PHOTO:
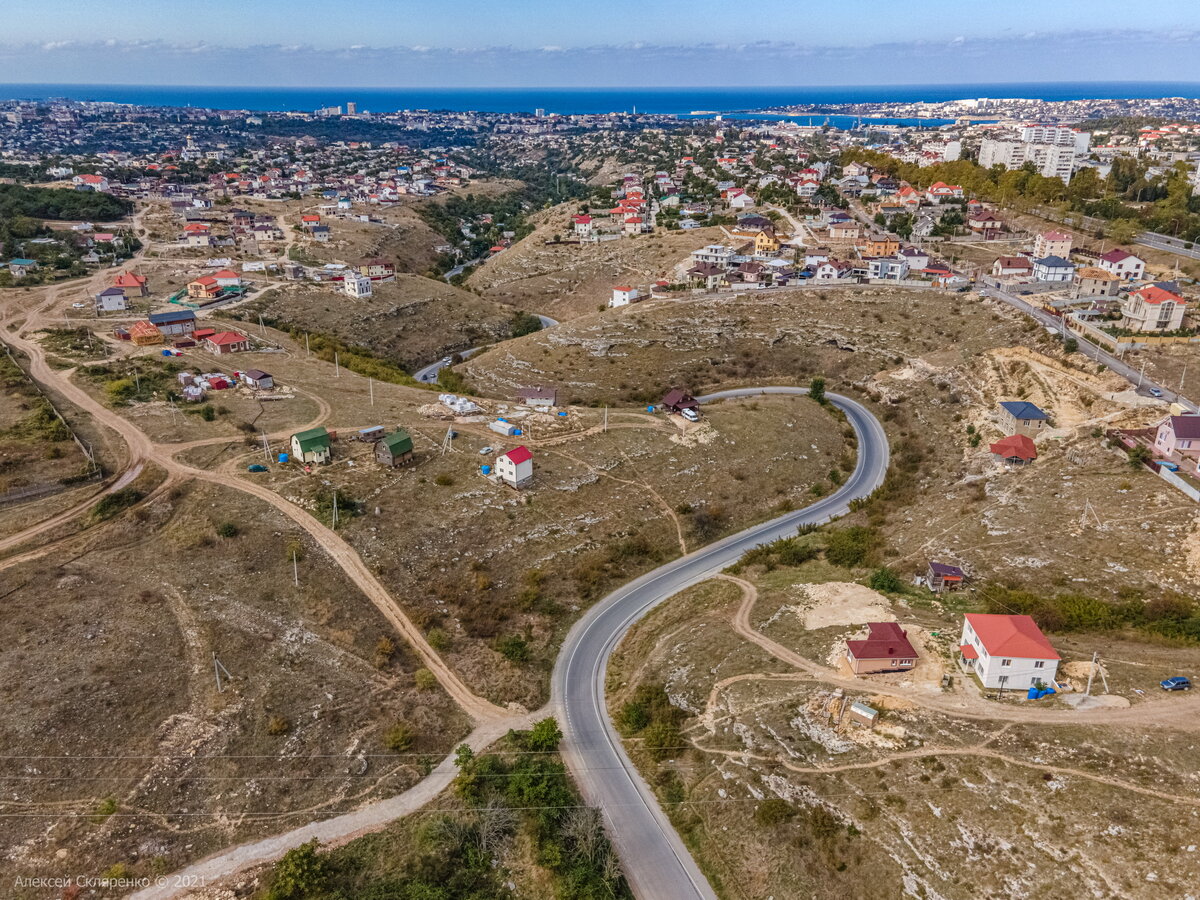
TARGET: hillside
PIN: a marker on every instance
(566, 281)
(411, 321)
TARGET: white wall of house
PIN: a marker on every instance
(1010, 673)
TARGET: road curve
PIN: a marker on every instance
(656, 862)
(429, 373)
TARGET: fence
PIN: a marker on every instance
(1175, 480)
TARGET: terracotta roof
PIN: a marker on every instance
(885, 640)
(1016, 636)
(968, 652)
(1155, 295)
(1018, 445)
(227, 337)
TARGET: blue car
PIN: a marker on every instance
(1178, 683)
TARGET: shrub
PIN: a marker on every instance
(301, 873)
(113, 503)
(544, 737)
(885, 580)
(227, 530)
(443, 480)
(399, 738)
(438, 639)
(424, 679)
(662, 739)
(514, 648)
(278, 725)
(774, 811)
(852, 547)
(385, 649)
(1139, 456)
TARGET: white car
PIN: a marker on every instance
(485, 451)
(78, 306)
(690, 414)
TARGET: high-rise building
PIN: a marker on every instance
(1051, 148)
(540, 113)
(351, 108)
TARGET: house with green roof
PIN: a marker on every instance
(312, 446)
(395, 449)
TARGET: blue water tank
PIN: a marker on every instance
(283, 457)
(517, 432)
(486, 470)
(1032, 694)
(562, 413)
(1048, 691)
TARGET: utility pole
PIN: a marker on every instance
(307, 351)
(1141, 373)
(606, 418)
(266, 447)
(1091, 674)
(1181, 375)
(335, 510)
(295, 570)
(218, 668)
(337, 369)
(371, 388)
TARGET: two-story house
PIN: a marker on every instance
(1007, 651)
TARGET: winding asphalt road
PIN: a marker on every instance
(656, 862)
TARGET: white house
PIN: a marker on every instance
(1124, 265)
(516, 466)
(111, 299)
(1052, 243)
(583, 225)
(716, 254)
(356, 285)
(1007, 651)
(1053, 268)
(887, 268)
(1153, 309)
(623, 295)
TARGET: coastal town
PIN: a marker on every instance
(826, 478)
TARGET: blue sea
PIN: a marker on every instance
(661, 101)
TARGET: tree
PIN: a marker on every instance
(399, 738)
(816, 390)
(1139, 456)
(544, 737)
(885, 580)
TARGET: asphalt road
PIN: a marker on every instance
(429, 374)
(1142, 384)
(654, 858)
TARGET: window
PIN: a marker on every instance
(1003, 680)
(1006, 662)
(1039, 664)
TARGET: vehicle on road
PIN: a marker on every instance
(446, 360)
(1156, 392)
(691, 415)
(485, 451)
(1176, 683)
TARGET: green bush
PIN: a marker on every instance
(300, 874)
(885, 580)
(227, 530)
(852, 547)
(113, 503)
(399, 738)
(514, 648)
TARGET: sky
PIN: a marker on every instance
(522, 43)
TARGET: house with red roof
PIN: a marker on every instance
(91, 182)
(583, 225)
(131, 283)
(226, 342)
(1006, 652)
(940, 191)
(1016, 449)
(1052, 243)
(203, 288)
(1124, 265)
(886, 648)
(515, 467)
(1153, 308)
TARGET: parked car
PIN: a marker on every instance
(485, 451)
(1177, 683)
(257, 467)
(690, 414)
(1156, 392)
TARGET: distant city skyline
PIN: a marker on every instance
(677, 43)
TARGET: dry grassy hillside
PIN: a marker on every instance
(569, 280)
(634, 354)
(119, 749)
(412, 320)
